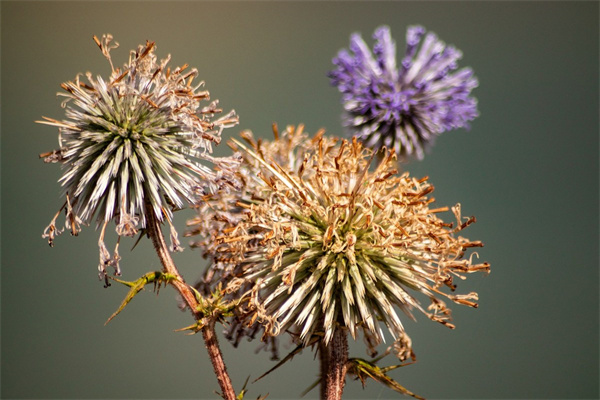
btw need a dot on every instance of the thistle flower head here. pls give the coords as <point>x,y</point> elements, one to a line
<point>317,241</point>
<point>131,144</point>
<point>403,108</point>
<point>224,209</point>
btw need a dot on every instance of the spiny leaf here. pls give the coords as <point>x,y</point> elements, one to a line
<point>291,355</point>
<point>363,369</point>
<point>244,391</point>
<point>194,328</point>
<point>136,286</point>
<point>211,308</point>
<point>143,232</point>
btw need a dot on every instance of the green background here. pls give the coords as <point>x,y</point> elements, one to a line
<point>528,170</point>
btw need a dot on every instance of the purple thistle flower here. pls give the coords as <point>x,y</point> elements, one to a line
<point>403,108</point>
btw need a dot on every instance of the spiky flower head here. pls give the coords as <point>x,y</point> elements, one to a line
<point>318,242</point>
<point>403,108</point>
<point>224,209</point>
<point>131,144</point>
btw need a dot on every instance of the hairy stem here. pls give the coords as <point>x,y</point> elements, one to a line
<point>324,361</point>
<point>337,364</point>
<point>208,331</point>
<point>212,345</point>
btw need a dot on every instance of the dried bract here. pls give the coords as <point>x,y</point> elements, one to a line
<point>132,144</point>
<point>318,240</point>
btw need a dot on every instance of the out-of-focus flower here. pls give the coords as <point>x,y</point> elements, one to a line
<point>131,145</point>
<point>317,242</point>
<point>403,108</point>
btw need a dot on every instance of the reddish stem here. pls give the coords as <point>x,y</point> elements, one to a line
<point>337,365</point>
<point>208,331</point>
<point>324,361</point>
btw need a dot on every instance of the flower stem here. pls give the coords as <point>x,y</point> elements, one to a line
<point>208,331</point>
<point>212,346</point>
<point>336,365</point>
<point>324,361</point>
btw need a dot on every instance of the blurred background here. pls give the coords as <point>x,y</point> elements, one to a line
<point>527,169</point>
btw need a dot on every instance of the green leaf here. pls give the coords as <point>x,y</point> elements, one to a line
<point>211,308</point>
<point>244,391</point>
<point>137,286</point>
<point>364,369</point>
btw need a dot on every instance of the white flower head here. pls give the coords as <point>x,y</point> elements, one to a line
<point>132,143</point>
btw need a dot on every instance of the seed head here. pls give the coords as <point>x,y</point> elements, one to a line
<point>316,240</point>
<point>403,108</point>
<point>132,143</point>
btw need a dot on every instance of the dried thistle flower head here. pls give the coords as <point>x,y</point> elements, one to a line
<point>318,241</point>
<point>403,108</point>
<point>131,144</point>
<point>222,210</point>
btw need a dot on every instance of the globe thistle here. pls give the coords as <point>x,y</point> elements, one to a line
<point>222,210</point>
<point>317,242</point>
<point>131,145</point>
<point>403,108</point>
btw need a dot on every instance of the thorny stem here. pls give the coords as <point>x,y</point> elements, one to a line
<point>337,365</point>
<point>208,331</point>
